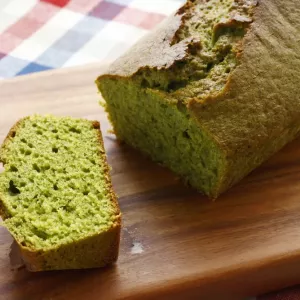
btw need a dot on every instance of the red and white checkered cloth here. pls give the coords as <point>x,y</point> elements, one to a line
<point>47,34</point>
<point>37,35</point>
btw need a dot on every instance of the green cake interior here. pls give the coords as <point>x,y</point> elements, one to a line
<point>149,110</point>
<point>54,187</point>
<point>163,131</point>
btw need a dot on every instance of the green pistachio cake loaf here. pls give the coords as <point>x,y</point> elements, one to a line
<point>213,92</point>
<point>56,197</point>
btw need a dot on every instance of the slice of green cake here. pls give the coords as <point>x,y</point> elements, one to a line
<point>213,92</point>
<point>56,197</point>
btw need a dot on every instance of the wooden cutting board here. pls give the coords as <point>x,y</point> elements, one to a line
<point>175,243</point>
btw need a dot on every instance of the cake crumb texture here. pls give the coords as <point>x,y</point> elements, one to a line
<point>55,190</point>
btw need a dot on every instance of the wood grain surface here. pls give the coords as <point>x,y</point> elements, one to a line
<point>175,243</point>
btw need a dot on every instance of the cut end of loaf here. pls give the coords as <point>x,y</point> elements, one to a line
<point>166,132</point>
<point>55,190</point>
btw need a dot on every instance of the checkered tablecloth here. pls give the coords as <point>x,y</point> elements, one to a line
<point>48,34</point>
<point>38,35</point>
